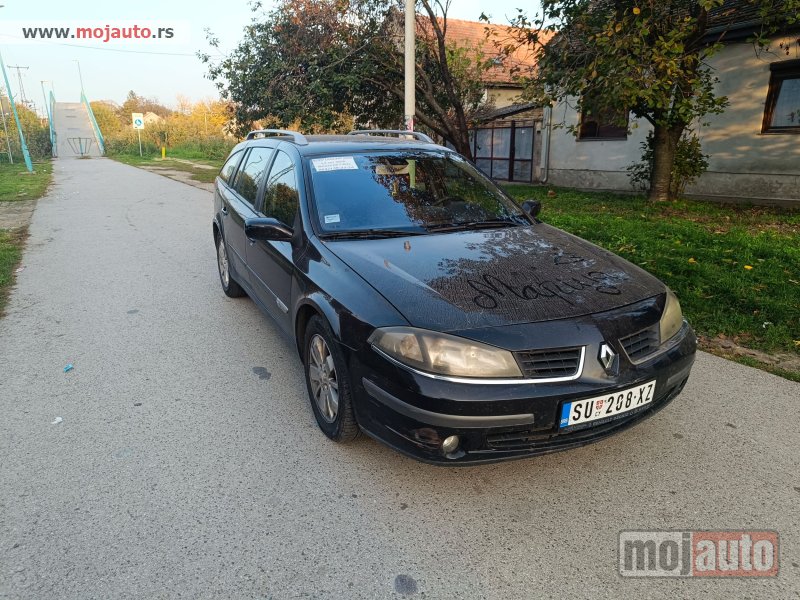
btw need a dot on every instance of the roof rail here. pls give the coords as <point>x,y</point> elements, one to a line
<point>297,138</point>
<point>415,134</point>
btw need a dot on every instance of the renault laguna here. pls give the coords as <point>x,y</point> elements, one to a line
<point>431,311</point>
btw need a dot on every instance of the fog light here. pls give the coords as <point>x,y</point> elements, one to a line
<point>450,444</point>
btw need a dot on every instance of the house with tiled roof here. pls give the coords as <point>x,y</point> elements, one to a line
<point>501,84</point>
<point>753,146</point>
<point>504,140</point>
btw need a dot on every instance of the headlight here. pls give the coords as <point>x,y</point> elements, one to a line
<point>672,318</point>
<point>444,354</point>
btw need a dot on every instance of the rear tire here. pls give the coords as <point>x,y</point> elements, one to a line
<point>328,382</point>
<point>229,286</point>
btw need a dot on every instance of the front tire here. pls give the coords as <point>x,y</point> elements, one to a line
<point>229,286</point>
<point>328,383</point>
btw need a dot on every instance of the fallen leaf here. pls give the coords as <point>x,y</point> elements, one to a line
<point>692,261</point>
<point>748,268</point>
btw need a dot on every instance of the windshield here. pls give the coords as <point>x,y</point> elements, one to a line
<point>406,192</point>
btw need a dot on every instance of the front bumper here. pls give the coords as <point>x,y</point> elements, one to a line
<point>413,414</point>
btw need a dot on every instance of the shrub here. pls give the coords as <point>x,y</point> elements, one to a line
<point>127,142</point>
<point>37,134</point>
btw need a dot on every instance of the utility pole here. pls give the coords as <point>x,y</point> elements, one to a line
<point>53,149</point>
<point>46,103</point>
<point>23,100</point>
<point>3,114</point>
<point>410,90</point>
<point>25,154</point>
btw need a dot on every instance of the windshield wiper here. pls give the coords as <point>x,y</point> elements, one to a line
<point>368,234</point>
<point>464,225</point>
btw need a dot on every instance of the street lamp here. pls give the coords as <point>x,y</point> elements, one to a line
<point>44,96</point>
<point>80,75</point>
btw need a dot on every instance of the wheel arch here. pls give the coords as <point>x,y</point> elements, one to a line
<point>310,306</point>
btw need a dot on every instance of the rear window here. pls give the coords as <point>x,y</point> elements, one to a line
<point>404,190</point>
<point>228,169</point>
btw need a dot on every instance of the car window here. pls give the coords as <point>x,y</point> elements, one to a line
<point>252,173</point>
<point>229,168</point>
<point>414,191</point>
<point>281,196</point>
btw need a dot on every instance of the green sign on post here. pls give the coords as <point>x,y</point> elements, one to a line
<point>138,125</point>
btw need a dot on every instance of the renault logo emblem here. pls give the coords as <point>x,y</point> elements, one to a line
<point>607,357</point>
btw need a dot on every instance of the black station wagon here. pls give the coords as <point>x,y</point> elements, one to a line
<point>430,310</point>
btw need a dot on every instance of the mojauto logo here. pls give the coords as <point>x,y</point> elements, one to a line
<point>698,553</point>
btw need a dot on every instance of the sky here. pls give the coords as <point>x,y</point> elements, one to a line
<point>109,75</point>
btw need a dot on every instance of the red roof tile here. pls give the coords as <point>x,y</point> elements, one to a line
<point>474,35</point>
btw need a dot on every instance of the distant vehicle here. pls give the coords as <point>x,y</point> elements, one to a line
<point>431,311</point>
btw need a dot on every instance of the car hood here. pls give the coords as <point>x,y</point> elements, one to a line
<point>495,277</point>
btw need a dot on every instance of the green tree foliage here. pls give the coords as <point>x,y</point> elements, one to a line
<point>36,131</point>
<point>649,56</point>
<point>108,118</point>
<point>136,103</point>
<point>324,63</point>
<point>195,130</point>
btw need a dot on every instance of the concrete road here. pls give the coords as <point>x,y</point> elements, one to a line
<point>187,462</point>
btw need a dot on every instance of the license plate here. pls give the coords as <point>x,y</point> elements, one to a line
<point>606,406</point>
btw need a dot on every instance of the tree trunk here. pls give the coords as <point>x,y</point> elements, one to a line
<point>665,145</point>
<point>462,144</point>
<point>459,118</point>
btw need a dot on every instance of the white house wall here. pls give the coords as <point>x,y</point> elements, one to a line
<point>743,163</point>
<point>591,164</point>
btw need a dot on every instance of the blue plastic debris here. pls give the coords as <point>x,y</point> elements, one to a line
<point>69,368</point>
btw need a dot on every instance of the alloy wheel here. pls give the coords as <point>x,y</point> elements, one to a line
<point>222,261</point>
<point>322,375</point>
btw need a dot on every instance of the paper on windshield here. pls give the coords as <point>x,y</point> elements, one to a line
<point>334,163</point>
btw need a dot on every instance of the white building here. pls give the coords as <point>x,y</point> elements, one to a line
<point>753,147</point>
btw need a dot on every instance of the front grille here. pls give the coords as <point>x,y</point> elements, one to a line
<point>641,344</point>
<point>542,364</point>
<point>516,440</point>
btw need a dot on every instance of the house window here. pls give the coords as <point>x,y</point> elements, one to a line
<point>504,150</point>
<point>782,111</point>
<point>602,123</point>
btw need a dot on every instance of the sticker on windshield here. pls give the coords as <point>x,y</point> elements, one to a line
<point>334,163</point>
<point>332,218</point>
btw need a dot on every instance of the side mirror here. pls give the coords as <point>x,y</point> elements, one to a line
<point>532,207</point>
<point>267,230</point>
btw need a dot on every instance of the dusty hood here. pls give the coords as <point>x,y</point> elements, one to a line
<point>473,279</point>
